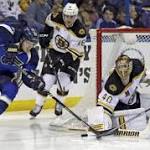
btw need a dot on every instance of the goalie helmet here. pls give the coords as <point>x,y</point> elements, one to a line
<point>124,67</point>
<point>70,13</point>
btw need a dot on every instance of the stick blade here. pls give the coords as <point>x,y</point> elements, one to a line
<point>106,133</point>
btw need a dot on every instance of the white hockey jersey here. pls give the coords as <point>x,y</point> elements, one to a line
<point>66,39</point>
<point>114,91</point>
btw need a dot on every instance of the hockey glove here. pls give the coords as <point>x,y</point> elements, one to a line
<point>59,64</point>
<point>62,62</point>
<point>46,36</point>
<point>37,83</point>
<point>10,55</point>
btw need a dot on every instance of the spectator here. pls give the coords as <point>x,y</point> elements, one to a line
<point>145,17</point>
<point>9,8</point>
<point>24,5</point>
<point>135,18</point>
<point>37,13</point>
<point>107,19</point>
<point>120,19</point>
<point>94,16</point>
<point>57,7</point>
<point>100,5</point>
<point>85,9</point>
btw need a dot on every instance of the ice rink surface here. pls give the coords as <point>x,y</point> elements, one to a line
<point>18,132</point>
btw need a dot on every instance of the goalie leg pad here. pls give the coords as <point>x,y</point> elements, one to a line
<point>138,124</point>
<point>98,119</point>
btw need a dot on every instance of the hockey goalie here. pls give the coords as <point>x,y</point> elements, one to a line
<point>119,99</point>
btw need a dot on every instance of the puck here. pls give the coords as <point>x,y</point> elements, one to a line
<point>84,135</point>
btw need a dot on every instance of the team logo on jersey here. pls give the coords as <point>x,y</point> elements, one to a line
<point>61,42</point>
<point>81,31</point>
<point>113,87</point>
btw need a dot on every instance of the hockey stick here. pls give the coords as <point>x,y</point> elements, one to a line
<point>63,105</point>
<point>115,129</point>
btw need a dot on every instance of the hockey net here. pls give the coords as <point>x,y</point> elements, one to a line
<point>104,47</point>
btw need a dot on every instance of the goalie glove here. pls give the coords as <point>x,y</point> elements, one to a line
<point>10,55</point>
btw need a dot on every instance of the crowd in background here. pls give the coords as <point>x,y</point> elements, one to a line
<point>94,14</point>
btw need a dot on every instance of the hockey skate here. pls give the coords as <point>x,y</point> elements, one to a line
<point>36,110</point>
<point>58,109</point>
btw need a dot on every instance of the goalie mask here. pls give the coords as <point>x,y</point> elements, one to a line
<point>70,13</point>
<point>124,67</point>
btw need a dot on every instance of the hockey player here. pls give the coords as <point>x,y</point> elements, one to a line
<point>16,50</point>
<point>63,36</point>
<point>120,90</point>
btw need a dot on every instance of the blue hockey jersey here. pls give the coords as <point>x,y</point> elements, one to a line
<point>10,33</point>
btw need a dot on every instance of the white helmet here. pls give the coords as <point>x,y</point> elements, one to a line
<point>70,9</point>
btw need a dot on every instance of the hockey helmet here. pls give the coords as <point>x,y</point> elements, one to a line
<point>30,34</point>
<point>70,9</point>
<point>70,13</point>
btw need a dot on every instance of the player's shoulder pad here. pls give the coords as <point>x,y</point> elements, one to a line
<point>138,68</point>
<point>113,84</point>
<point>79,29</point>
<point>57,18</point>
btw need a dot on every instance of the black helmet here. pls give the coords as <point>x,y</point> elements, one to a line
<point>31,34</point>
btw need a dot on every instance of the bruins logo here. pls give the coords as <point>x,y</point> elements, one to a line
<point>61,42</point>
<point>81,31</point>
<point>113,87</point>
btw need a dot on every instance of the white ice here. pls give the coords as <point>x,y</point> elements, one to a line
<point>18,132</point>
